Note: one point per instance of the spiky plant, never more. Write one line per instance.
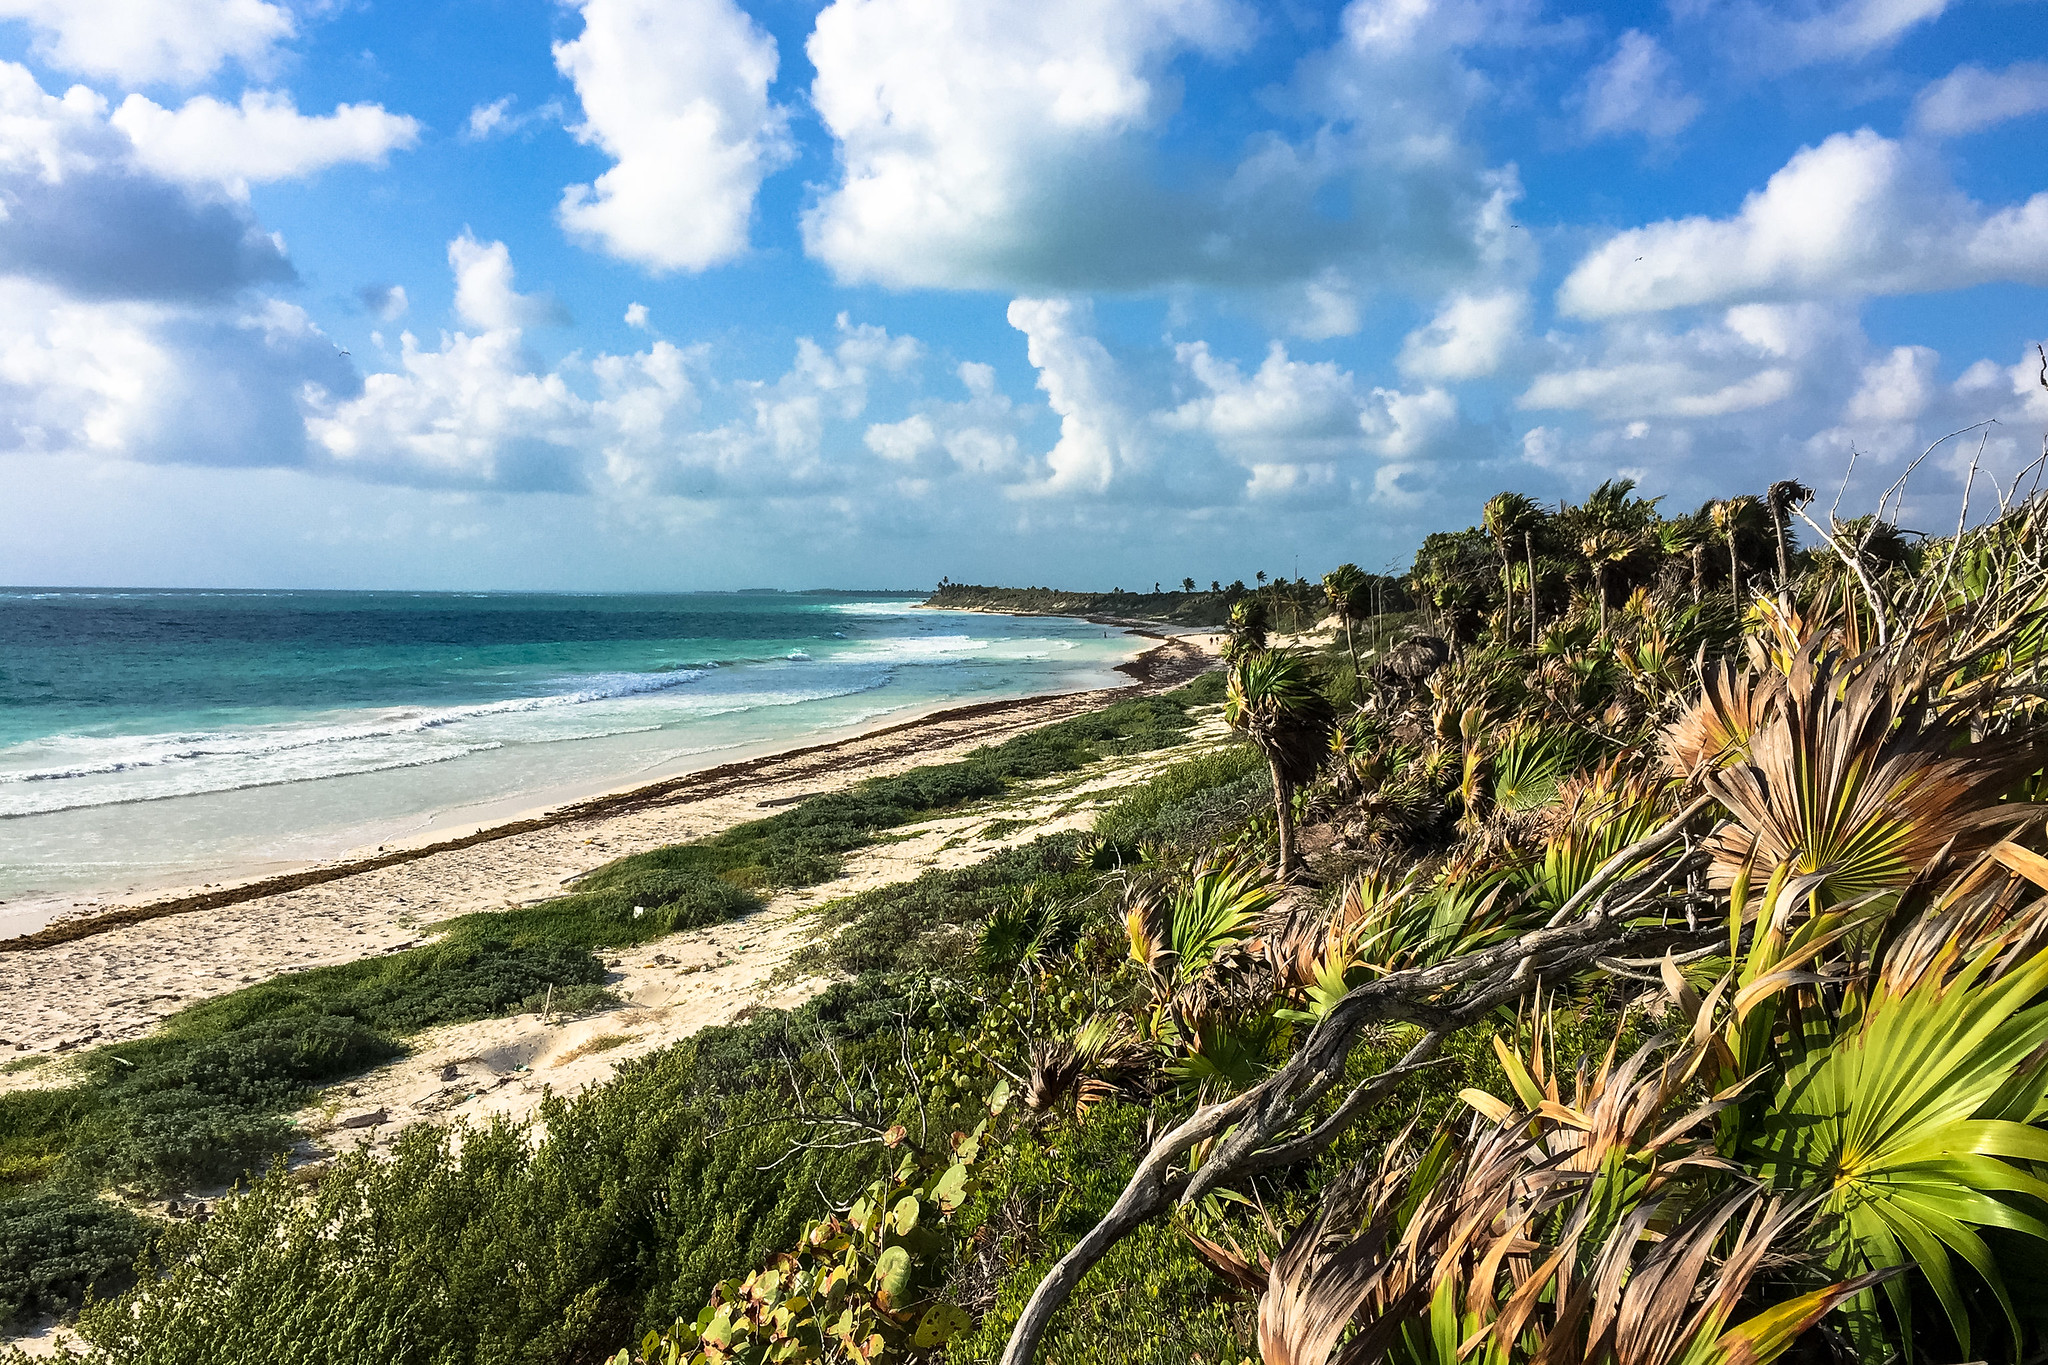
(1248, 627)
(1273, 698)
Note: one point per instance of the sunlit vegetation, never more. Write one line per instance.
(1638, 955)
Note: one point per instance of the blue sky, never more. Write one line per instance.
(696, 293)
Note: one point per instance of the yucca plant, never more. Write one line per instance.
(1602, 814)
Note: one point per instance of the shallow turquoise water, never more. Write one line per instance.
(152, 737)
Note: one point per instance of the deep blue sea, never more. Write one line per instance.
(160, 737)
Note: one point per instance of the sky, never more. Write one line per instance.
(677, 294)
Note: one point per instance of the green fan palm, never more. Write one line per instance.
(1890, 1125)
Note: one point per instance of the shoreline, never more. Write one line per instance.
(1151, 670)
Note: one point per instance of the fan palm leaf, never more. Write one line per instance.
(1848, 774)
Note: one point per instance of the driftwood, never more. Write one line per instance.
(1440, 999)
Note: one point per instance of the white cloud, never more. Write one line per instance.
(142, 42)
(1287, 411)
(1098, 440)
(1469, 336)
(636, 316)
(1751, 357)
(484, 296)
(1637, 91)
(156, 382)
(1858, 215)
(82, 214)
(265, 138)
(1774, 38)
(496, 119)
(676, 93)
(1970, 99)
(1897, 388)
(1661, 389)
(1015, 144)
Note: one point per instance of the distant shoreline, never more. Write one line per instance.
(1166, 664)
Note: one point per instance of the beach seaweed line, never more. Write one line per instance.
(208, 1096)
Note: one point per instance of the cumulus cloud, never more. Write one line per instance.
(1970, 99)
(152, 382)
(264, 138)
(676, 93)
(1858, 215)
(1468, 338)
(1286, 411)
(1749, 358)
(484, 296)
(1016, 146)
(82, 214)
(636, 316)
(1098, 438)
(1637, 91)
(143, 42)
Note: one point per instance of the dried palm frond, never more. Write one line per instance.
(1714, 731)
(1851, 776)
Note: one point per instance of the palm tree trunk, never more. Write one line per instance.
(1283, 817)
(1600, 591)
(1734, 575)
(1529, 549)
(1507, 592)
(1699, 568)
(1357, 669)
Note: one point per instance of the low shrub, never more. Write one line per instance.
(58, 1243)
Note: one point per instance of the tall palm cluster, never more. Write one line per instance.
(1773, 816)
(1526, 565)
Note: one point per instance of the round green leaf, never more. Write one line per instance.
(939, 1326)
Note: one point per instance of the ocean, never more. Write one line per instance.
(160, 738)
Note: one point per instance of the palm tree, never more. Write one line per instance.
(1273, 698)
(1732, 516)
(1350, 596)
(1509, 517)
(1187, 585)
(1603, 550)
(1780, 498)
(1680, 538)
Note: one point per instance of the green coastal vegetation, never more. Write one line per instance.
(1622, 940)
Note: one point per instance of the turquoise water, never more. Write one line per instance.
(151, 738)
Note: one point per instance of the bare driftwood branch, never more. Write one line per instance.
(1440, 998)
